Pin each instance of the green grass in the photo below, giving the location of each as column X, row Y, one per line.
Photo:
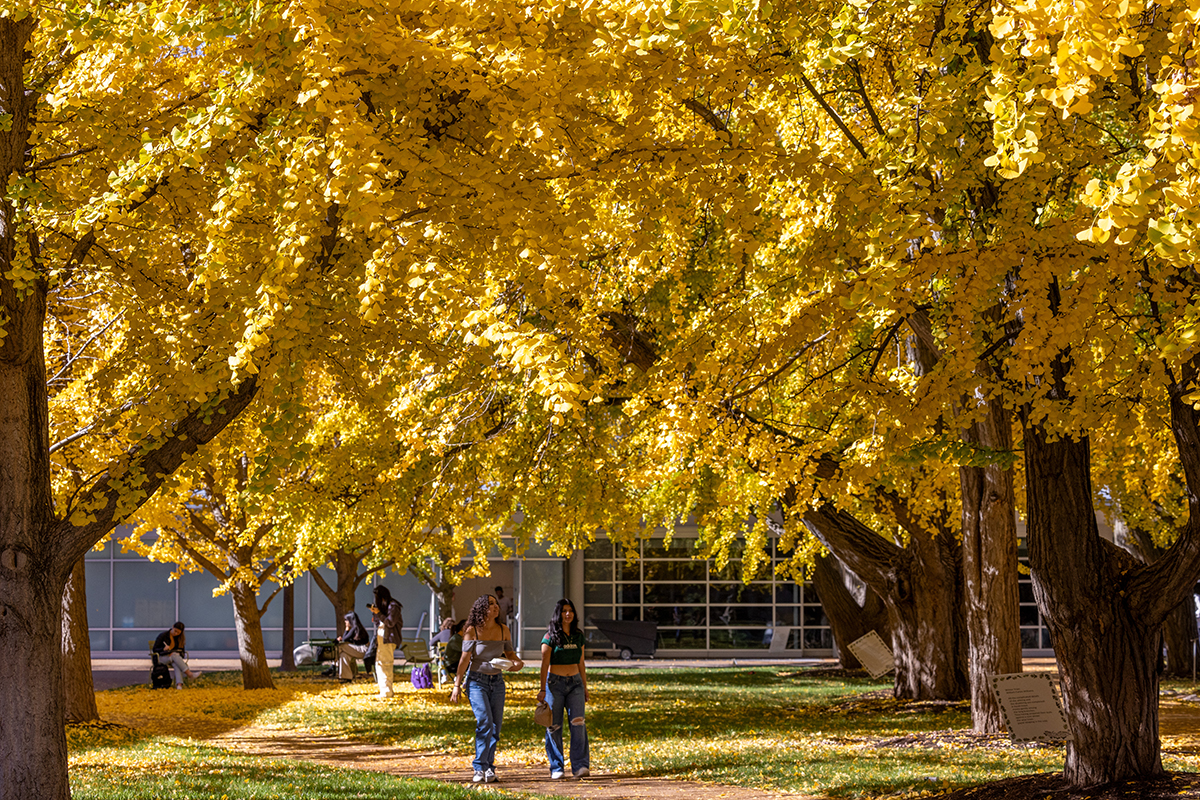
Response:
column 175, row 770
column 762, row 727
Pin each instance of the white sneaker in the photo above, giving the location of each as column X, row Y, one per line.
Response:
column 557, row 774
column 490, row 776
column 478, row 778
column 193, row 673
column 582, row 772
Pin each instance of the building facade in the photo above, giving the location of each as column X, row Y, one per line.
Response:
column 701, row 610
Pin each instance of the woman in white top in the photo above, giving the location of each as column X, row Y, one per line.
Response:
column 483, row 640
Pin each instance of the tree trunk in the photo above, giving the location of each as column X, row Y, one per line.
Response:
column 287, row 658
column 920, row 588
column 80, row 696
column 989, row 534
column 848, row 619
column 1179, row 634
column 248, row 620
column 341, row 595
column 1107, row 654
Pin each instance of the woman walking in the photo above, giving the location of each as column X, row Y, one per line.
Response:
column 484, row 641
column 564, row 686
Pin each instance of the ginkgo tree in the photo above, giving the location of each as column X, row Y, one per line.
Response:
column 240, row 185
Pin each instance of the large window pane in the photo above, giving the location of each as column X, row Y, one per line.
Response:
column 675, row 615
column 99, row 641
column 104, row 552
column 629, row 572
column 678, row 548
column 601, row 548
column 740, row 615
column 597, row 570
column 735, row 639
column 818, row 639
column 273, row 616
column 787, row 593
column 814, row 616
column 721, row 593
column 98, row 577
column 627, row 612
column 202, row 641
column 693, row 571
column 673, row 593
column 682, row 639
column 142, row 596
column 597, row 594
column 197, row 606
column 629, row 593
column 541, row 589
column 135, row 641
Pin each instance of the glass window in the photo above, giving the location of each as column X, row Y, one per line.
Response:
column 1025, row 589
column 739, row 615
column 541, row 589
column 1030, row 638
column 808, row 594
column 673, row 593
column 597, row 570
column 597, row 612
column 273, row 616
column 200, row 641
column 627, row 612
column 788, row 615
column 1046, row 643
column 273, row 640
column 320, row 608
column 675, row 615
column 197, row 606
column 731, row 572
column 98, row 577
column 723, row 593
column 99, row 641
column 1029, row 615
column 597, row 594
column 143, row 597
column 814, row 616
column 787, row 593
column 739, row 639
column 629, row 592
column 127, row 640
column 691, row 571
column 629, row 572
column 678, row 548
column 682, row 639
column 818, row 639
column 601, row 548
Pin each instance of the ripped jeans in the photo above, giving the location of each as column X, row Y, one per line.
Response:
column 565, row 692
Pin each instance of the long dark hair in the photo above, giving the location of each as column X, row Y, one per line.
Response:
column 383, row 598
column 357, row 632
column 478, row 613
column 555, row 631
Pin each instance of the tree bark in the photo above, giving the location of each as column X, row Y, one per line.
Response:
column 341, row 594
column 1106, row 650
column 848, row 619
column 990, row 584
column 919, row 585
column 247, row 618
column 80, row 695
column 1179, row 635
column 287, row 658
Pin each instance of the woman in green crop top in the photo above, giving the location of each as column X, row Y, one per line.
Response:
column 564, row 686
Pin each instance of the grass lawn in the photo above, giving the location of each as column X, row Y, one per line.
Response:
column 774, row 728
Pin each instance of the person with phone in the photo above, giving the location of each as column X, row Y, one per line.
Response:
column 564, row 685
column 388, row 615
column 487, row 651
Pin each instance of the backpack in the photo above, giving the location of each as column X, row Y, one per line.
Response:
column 160, row 677
column 421, row 677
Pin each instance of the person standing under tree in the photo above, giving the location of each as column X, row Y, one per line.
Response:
column 506, row 606
column 485, row 640
column 389, row 614
column 564, row 686
column 171, row 649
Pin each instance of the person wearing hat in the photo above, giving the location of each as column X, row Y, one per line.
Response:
column 171, row 650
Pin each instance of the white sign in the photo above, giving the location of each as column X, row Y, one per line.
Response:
column 1031, row 708
column 873, row 654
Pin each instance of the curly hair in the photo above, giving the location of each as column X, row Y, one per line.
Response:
column 478, row 613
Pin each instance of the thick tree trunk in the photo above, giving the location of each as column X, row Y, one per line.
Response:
column 287, row 658
column 848, row 619
column 989, row 534
column 920, row 588
column 80, row 695
column 248, row 621
column 1106, row 652
column 341, row 594
column 1179, row 634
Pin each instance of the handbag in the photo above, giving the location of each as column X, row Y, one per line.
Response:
column 542, row 715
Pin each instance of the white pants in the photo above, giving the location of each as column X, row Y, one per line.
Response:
column 347, row 655
column 175, row 661
column 385, row 656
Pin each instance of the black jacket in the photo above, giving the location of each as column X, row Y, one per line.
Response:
column 162, row 644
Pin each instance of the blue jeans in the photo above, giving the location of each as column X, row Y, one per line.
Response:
column 565, row 692
column 486, row 694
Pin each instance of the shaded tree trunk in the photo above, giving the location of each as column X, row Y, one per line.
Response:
column 287, row 658
column 1106, row 650
column 848, row 618
column 80, row 695
column 441, row 587
column 990, row 583
column 247, row 618
column 920, row 588
column 347, row 580
column 1179, row 635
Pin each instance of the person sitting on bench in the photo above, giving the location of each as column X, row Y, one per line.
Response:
column 170, row 649
column 352, row 645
